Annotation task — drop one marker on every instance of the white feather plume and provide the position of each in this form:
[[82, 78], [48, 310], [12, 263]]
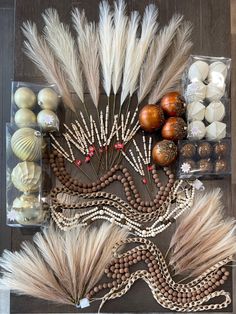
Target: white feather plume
[[106, 33], [156, 55], [64, 47]]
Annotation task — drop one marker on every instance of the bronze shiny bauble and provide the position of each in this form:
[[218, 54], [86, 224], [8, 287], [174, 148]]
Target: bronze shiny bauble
[[220, 149], [188, 150], [164, 153], [173, 104], [220, 165], [151, 118], [174, 129], [204, 150], [205, 165]]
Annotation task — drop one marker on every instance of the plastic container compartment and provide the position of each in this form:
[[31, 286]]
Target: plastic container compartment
[[24, 176], [35, 104], [206, 88], [204, 159]]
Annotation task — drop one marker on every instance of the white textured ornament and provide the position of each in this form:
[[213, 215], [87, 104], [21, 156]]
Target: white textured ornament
[[214, 92], [216, 131], [196, 130], [215, 111], [195, 111], [48, 120], [25, 98], [196, 91], [48, 99], [24, 117], [217, 72], [198, 71]]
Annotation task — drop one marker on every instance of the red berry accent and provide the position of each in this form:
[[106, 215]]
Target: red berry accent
[[149, 168], [78, 162], [144, 180], [91, 149], [87, 159], [119, 146]]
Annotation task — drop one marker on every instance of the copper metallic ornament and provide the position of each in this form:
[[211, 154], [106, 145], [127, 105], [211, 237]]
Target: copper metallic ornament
[[205, 165], [174, 129], [220, 149], [164, 153], [204, 150], [151, 118], [188, 150], [220, 165], [173, 104]]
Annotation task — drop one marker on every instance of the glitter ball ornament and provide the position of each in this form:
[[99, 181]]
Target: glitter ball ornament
[[188, 150], [221, 149], [48, 120], [205, 165], [25, 98], [48, 99], [173, 104], [196, 130], [216, 131], [220, 165], [191, 163], [24, 117], [198, 71], [204, 149], [196, 91], [215, 111], [164, 153], [196, 111], [151, 118], [174, 129]]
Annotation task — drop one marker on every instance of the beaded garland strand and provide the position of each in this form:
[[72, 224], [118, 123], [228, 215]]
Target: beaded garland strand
[[186, 297]]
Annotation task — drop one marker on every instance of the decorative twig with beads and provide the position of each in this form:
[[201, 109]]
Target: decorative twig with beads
[[187, 297]]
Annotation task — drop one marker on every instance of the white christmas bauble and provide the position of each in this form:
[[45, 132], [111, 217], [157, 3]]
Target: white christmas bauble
[[24, 117], [216, 131], [215, 111], [196, 130], [196, 91], [48, 99], [195, 111], [217, 68], [214, 92], [48, 120], [25, 98], [198, 71]]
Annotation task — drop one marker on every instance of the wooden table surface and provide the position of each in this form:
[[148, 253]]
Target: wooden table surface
[[211, 36]]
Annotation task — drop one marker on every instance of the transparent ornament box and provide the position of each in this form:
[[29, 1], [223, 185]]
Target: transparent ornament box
[[204, 159], [24, 206], [35, 104]]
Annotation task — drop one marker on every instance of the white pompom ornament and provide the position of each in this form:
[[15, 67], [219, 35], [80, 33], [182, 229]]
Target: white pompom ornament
[[196, 130], [216, 131], [25, 98], [24, 117], [48, 99], [215, 111], [196, 91], [195, 111], [214, 92], [198, 71], [48, 120]]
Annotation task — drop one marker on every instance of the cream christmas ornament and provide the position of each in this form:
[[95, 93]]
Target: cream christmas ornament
[[48, 99], [196, 130], [195, 111], [25, 98], [216, 131], [217, 70], [24, 117], [215, 111], [196, 91], [26, 176], [48, 120], [198, 71], [214, 92]]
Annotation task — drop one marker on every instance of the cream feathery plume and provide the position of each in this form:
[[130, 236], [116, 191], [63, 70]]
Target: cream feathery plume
[[172, 72], [119, 43], [63, 45], [88, 43], [158, 50], [61, 266], [106, 33], [38, 51], [137, 49], [204, 237]]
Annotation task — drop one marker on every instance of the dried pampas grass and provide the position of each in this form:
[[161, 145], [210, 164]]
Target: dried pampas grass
[[88, 43], [61, 266], [177, 61], [38, 51], [63, 45], [204, 237]]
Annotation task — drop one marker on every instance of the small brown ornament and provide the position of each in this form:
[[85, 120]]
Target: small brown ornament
[[164, 153], [188, 150], [191, 163], [220, 165], [173, 104], [204, 150], [174, 129], [220, 149], [151, 118], [205, 165]]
